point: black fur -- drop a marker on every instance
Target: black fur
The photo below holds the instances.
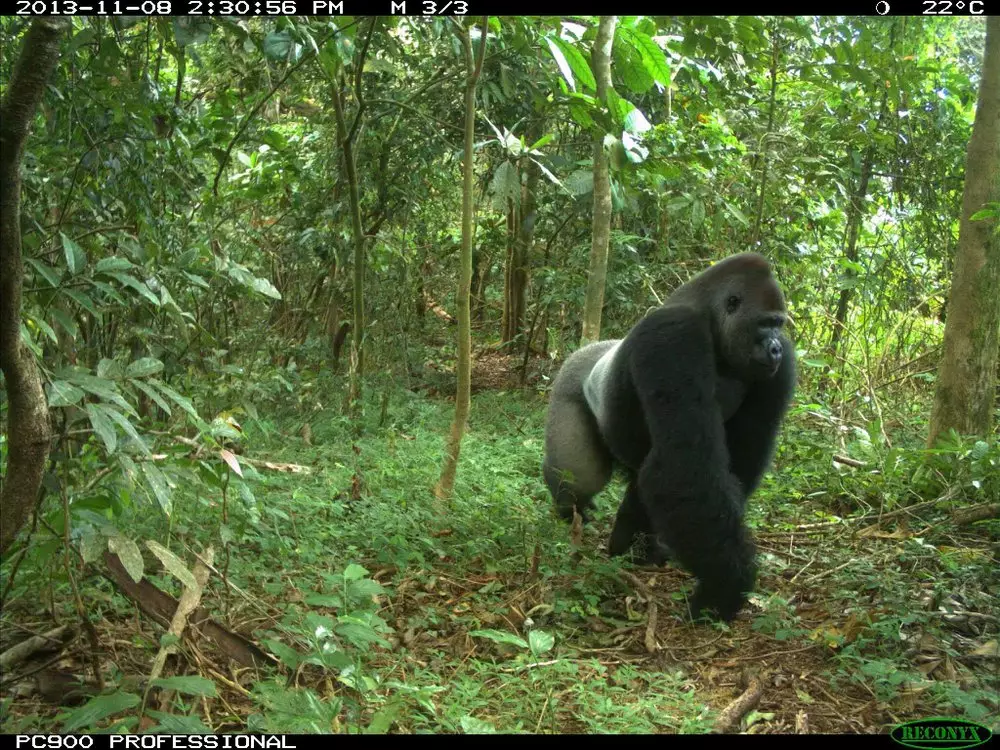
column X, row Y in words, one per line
column 689, row 404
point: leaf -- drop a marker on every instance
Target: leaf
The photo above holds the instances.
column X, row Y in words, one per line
column 265, row 287
column 84, row 300
column 645, row 61
column 174, row 724
column 278, row 45
column 62, row 393
column 129, row 554
column 158, row 484
column 50, row 274
column 176, row 567
column 99, row 707
column 76, row 258
column 66, row 321
column 102, row 426
column 331, row 601
column 580, row 182
column 500, row 636
column 540, row 641
column 506, row 185
column 103, row 389
column 92, row 544
column 129, row 430
column 572, row 63
column 365, row 588
column 697, row 213
column 230, row 459
column 354, row 572
column 45, row 328
column 472, row 725
column 143, row 367
column 288, row 655
column 636, row 123
column 109, row 369
column 153, row 395
column 137, row 285
column 174, row 396
column 112, row 264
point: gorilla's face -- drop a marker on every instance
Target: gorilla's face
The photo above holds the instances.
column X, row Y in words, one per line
column 749, row 313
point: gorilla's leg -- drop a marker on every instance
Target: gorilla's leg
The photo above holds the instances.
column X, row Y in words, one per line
column 577, row 464
column 693, row 500
column 632, row 524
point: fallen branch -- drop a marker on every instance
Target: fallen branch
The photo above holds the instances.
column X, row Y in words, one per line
column 733, row 714
column 54, row 640
column 976, row 513
column 849, row 461
column 651, row 628
column 161, row 607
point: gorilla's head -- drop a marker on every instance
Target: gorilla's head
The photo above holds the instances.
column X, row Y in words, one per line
column 748, row 314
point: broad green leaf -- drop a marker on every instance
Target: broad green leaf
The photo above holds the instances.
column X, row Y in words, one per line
column 540, row 642
column 92, row 544
column 143, row 367
column 122, row 421
column 45, row 328
column 113, row 264
column 325, row 600
column 278, row 45
column 76, row 258
column 181, row 401
column 354, row 572
column 286, row 654
column 174, row 724
column 62, row 393
column 572, row 63
column 103, row 427
column 129, row 554
column 50, row 274
column 84, row 300
column 635, row 122
column 188, row 685
column 580, row 182
column 265, row 287
column 365, row 588
column 506, row 185
column 104, row 389
column 99, row 708
column 472, row 725
column 500, row 636
column 153, row 395
column 697, row 214
column 176, row 567
column 109, row 369
column 137, row 285
column 158, row 484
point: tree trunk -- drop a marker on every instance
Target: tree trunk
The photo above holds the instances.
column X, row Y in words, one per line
column 446, row 483
column 347, row 140
column 601, row 228
column 967, row 373
column 28, row 431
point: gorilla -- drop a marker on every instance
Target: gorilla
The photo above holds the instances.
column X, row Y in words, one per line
column 689, row 404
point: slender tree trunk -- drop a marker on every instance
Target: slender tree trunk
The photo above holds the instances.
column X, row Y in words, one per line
column 600, row 58
column 347, row 139
column 446, row 483
column 28, row 431
column 765, row 139
column 855, row 218
column 967, row 374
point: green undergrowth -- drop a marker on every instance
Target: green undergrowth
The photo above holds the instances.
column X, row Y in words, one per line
column 390, row 610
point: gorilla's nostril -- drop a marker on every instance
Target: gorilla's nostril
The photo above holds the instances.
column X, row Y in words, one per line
column 775, row 349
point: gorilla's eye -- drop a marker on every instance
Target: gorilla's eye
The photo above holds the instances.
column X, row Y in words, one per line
column 733, row 303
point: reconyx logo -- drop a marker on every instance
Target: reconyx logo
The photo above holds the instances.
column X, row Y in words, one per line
column 935, row 734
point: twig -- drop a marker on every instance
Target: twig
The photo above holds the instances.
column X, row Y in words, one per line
column 732, row 714
column 650, row 639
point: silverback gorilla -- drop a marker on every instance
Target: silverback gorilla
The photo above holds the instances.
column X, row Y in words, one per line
column 689, row 404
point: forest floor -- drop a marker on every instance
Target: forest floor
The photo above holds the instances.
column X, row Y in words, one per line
column 865, row 616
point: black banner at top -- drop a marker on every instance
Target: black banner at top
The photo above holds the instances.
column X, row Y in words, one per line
column 209, row 8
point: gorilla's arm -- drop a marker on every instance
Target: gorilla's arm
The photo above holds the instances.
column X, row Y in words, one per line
column 753, row 429
column 692, row 499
